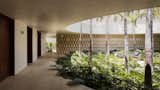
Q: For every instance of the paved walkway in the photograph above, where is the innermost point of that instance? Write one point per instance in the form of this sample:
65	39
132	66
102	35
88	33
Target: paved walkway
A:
39	76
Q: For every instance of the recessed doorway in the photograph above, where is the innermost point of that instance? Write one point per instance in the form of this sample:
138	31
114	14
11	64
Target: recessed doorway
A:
39	44
29	45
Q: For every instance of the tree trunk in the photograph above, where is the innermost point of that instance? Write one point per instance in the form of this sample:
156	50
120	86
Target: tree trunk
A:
126	43
148	49
91	44
107	45
134	38
80	39
107	39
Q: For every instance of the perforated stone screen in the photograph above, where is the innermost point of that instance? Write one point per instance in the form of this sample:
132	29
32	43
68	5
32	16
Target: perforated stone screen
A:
67	42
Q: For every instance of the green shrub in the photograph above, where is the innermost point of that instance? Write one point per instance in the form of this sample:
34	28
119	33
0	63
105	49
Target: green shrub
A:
108	72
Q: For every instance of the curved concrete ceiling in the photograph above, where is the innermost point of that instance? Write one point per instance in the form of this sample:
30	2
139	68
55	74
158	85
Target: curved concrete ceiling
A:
53	15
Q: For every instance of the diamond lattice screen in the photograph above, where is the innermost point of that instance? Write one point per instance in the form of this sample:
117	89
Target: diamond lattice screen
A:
67	42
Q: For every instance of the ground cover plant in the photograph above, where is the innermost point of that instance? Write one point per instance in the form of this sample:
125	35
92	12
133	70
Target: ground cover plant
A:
108	72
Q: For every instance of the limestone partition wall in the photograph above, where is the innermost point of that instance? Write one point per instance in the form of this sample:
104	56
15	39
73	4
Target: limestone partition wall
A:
20	36
43	43
67	42
20	46
34	42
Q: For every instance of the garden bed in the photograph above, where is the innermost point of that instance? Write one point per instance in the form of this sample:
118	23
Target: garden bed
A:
108	72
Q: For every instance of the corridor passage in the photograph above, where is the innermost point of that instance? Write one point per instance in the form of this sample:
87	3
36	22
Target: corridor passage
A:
39	76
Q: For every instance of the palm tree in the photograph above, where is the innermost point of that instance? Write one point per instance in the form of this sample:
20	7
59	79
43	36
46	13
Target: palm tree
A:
126	41
107	37
149	48
123	16
152	13
107	33
80	38
90	44
156	15
133	17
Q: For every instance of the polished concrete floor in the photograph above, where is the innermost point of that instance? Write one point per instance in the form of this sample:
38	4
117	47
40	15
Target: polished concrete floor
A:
39	76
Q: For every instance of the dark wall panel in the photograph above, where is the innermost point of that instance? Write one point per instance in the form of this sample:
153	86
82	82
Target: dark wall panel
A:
6	47
39	44
29	44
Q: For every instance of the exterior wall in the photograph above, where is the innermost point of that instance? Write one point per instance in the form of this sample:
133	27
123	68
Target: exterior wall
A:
43	43
70	42
34	42
20	46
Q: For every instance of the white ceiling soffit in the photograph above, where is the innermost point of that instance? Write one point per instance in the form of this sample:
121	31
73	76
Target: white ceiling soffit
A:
53	15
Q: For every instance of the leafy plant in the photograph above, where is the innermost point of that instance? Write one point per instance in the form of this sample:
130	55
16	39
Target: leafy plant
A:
108	72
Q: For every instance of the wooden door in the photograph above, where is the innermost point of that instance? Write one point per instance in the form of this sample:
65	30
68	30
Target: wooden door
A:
29	45
39	44
6	47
